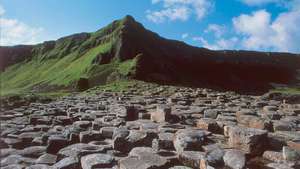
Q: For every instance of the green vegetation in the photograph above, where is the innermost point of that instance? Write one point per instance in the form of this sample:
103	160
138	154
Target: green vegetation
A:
51	72
127	67
287	90
115	86
141	87
56	94
58	65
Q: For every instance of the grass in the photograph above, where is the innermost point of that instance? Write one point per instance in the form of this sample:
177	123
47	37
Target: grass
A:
134	85
56	94
127	67
118	86
61	63
287	90
62	72
58	65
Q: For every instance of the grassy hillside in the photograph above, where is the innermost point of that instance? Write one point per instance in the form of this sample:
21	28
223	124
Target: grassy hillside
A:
125	50
60	64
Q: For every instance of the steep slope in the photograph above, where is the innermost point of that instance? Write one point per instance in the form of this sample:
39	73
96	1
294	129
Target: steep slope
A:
125	49
11	55
60	64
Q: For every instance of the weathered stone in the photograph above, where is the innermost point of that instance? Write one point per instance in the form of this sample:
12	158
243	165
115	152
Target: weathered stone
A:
15	159
80	149
211	113
143	158
125	143
279	166
294	144
97	161
13	166
12	142
149	126
209	124
108	124
164	141
214	155
273	156
271	115
8	151
55	143
180	167
33	151
74	138
290	154
64	120
189	139
252	141
107	132
235	159
27	137
245	112
191	158
88	136
40	166
254	122
282	126
276	141
82	124
269	108
120	132
129	113
162	114
46	159
67	163
226	118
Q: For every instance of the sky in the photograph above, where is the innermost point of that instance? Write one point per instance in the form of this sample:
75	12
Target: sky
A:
263	25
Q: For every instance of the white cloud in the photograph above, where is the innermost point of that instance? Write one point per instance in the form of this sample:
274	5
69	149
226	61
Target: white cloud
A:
179	10
259	2
14	32
180	13
256	28
261	33
219	44
184	36
2	10
217	30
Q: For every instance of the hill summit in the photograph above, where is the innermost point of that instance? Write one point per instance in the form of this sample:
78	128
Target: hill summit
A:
126	50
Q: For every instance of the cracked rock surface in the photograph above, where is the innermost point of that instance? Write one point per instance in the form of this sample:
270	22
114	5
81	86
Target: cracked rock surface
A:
185	129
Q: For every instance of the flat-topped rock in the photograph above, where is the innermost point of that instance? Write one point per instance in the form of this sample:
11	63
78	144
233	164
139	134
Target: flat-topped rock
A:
162	114
143	158
189	139
48	159
80	149
191	158
252	141
97	161
235	159
182	128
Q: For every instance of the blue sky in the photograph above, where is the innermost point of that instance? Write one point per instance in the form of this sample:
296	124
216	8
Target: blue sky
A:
265	25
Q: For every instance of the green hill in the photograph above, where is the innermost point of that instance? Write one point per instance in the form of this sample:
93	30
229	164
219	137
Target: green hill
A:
60	64
126	50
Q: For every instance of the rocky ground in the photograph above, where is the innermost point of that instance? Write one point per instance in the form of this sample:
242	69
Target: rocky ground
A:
188	129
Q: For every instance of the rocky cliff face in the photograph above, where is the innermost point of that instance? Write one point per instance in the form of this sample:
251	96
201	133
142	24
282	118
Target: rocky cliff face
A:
126	48
11	55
